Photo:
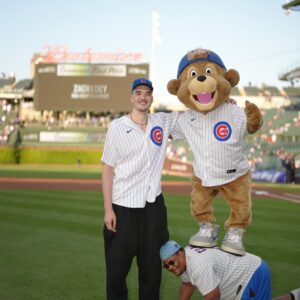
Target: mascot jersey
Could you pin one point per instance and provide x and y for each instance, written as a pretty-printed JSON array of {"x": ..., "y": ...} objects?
[{"x": 216, "y": 140}]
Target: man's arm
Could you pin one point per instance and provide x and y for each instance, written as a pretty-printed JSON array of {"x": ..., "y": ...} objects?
[
  {"x": 213, "y": 295},
  {"x": 186, "y": 291},
  {"x": 110, "y": 219}
]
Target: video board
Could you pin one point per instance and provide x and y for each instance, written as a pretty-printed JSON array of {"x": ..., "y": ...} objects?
[{"x": 85, "y": 87}]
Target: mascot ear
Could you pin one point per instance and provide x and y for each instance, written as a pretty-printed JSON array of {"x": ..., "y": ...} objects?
[
  {"x": 173, "y": 86},
  {"x": 233, "y": 77}
]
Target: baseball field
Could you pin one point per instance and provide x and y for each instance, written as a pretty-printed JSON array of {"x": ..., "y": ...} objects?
[{"x": 51, "y": 221}]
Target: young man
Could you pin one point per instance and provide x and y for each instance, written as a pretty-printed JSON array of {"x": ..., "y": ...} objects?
[
  {"x": 135, "y": 213},
  {"x": 219, "y": 275}
]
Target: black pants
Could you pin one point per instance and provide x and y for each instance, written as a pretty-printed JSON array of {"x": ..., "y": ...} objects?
[{"x": 140, "y": 233}]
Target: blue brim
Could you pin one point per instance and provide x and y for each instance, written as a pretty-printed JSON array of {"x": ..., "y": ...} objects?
[{"x": 169, "y": 249}]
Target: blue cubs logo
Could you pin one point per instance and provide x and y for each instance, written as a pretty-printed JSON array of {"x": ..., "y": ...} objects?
[
  {"x": 156, "y": 135},
  {"x": 222, "y": 131}
]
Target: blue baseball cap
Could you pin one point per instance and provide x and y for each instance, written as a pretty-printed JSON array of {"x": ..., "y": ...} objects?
[
  {"x": 169, "y": 249},
  {"x": 142, "y": 81},
  {"x": 213, "y": 57}
]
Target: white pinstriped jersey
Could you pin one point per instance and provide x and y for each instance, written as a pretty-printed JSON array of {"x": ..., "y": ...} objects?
[
  {"x": 137, "y": 158},
  {"x": 216, "y": 140},
  {"x": 208, "y": 268}
]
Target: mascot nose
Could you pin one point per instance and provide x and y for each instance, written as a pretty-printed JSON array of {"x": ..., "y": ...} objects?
[{"x": 201, "y": 78}]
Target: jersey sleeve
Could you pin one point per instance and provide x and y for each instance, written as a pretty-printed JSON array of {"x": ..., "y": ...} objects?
[
  {"x": 170, "y": 122},
  {"x": 204, "y": 278},
  {"x": 110, "y": 152},
  {"x": 176, "y": 132},
  {"x": 185, "y": 277},
  {"x": 241, "y": 119}
]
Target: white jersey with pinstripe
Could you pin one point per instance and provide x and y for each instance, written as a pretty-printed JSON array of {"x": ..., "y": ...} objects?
[
  {"x": 208, "y": 268},
  {"x": 137, "y": 158},
  {"x": 217, "y": 143}
]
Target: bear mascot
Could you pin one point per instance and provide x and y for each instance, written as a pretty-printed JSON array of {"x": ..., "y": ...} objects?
[{"x": 214, "y": 130}]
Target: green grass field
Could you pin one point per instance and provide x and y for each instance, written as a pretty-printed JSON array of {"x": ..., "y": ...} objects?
[
  {"x": 51, "y": 244},
  {"x": 61, "y": 171}
]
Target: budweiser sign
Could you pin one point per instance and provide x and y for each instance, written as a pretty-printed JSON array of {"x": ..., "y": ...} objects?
[{"x": 60, "y": 54}]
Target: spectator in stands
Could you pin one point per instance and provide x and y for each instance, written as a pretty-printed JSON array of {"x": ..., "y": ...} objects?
[
  {"x": 293, "y": 170},
  {"x": 181, "y": 153},
  {"x": 219, "y": 275},
  {"x": 289, "y": 164},
  {"x": 171, "y": 151}
]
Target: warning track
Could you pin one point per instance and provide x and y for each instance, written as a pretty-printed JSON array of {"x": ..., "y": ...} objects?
[{"x": 174, "y": 187}]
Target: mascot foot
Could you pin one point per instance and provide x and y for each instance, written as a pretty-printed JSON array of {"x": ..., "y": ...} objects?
[
  {"x": 233, "y": 241},
  {"x": 206, "y": 236}
]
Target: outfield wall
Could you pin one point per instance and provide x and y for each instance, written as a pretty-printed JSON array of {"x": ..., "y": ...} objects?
[{"x": 50, "y": 155}]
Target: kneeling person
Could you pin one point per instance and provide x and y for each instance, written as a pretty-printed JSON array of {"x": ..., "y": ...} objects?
[{"x": 217, "y": 274}]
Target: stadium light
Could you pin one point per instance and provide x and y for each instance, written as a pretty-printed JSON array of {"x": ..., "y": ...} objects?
[{"x": 293, "y": 5}]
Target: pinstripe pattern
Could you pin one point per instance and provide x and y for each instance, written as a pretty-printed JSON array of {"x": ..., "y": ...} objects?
[
  {"x": 212, "y": 157},
  {"x": 136, "y": 159},
  {"x": 210, "y": 268}
]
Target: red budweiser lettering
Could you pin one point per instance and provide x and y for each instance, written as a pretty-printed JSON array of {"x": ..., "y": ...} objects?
[{"x": 60, "y": 54}]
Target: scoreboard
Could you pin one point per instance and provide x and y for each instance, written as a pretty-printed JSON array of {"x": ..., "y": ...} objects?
[{"x": 85, "y": 87}]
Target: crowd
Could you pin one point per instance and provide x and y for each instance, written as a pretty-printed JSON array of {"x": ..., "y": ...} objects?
[
  {"x": 260, "y": 156},
  {"x": 181, "y": 152}
]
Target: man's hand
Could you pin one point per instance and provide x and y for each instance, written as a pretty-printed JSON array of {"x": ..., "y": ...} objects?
[
  {"x": 230, "y": 101},
  {"x": 110, "y": 220},
  {"x": 213, "y": 295}
]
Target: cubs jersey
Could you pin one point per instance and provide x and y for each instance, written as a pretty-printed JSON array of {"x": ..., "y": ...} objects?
[
  {"x": 137, "y": 158},
  {"x": 216, "y": 140},
  {"x": 209, "y": 268}
]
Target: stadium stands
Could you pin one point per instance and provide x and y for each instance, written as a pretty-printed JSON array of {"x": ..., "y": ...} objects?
[
  {"x": 271, "y": 90},
  {"x": 235, "y": 91},
  {"x": 6, "y": 82},
  {"x": 25, "y": 84},
  {"x": 279, "y": 137},
  {"x": 292, "y": 91},
  {"x": 251, "y": 91}
]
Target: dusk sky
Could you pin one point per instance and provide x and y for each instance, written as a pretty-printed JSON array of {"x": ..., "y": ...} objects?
[{"x": 254, "y": 37}]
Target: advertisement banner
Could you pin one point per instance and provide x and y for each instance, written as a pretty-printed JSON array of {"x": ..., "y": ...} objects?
[
  {"x": 269, "y": 176},
  {"x": 71, "y": 137},
  {"x": 177, "y": 167}
]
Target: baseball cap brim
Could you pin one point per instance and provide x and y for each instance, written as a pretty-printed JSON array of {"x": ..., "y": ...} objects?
[{"x": 169, "y": 249}]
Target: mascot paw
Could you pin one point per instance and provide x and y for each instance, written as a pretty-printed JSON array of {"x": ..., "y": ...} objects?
[
  {"x": 254, "y": 117},
  {"x": 250, "y": 108}
]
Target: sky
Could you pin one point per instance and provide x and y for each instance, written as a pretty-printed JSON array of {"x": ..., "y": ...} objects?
[{"x": 254, "y": 37}]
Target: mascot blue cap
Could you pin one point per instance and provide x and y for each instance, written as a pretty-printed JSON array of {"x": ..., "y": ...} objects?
[{"x": 213, "y": 57}]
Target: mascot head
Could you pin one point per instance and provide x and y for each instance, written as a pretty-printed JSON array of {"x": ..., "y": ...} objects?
[{"x": 203, "y": 82}]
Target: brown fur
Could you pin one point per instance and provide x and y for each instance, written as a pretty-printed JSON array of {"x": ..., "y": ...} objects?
[
  {"x": 219, "y": 82},
  {"x": 236, "y": 194},
  {"x": 199, "y": 53},
  {"x": 254, "y": 117}
]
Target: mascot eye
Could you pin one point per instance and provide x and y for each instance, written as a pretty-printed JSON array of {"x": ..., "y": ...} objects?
[
  {"x": 208, "y": 71},
  {"x": 194, "y": 73}
]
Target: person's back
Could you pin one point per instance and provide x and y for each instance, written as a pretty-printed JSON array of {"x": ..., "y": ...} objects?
[{"x": 216, "y": 267}]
